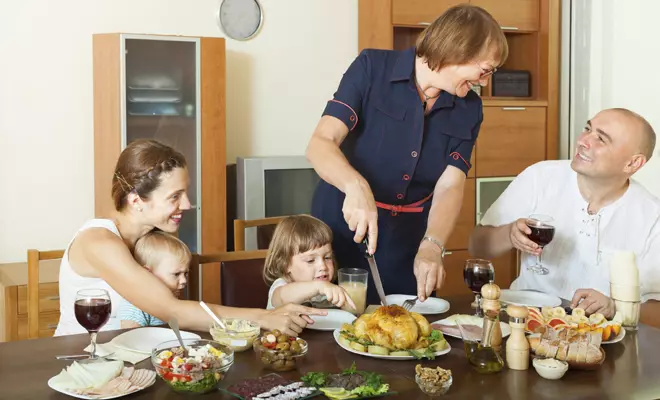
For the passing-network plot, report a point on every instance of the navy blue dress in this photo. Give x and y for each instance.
(401, 153)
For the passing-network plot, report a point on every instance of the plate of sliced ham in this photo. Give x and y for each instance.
(471, 324)
(101, 380)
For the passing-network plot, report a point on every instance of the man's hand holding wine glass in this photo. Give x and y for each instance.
(519, 235)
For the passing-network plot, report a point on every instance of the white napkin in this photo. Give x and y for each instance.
(103, 349)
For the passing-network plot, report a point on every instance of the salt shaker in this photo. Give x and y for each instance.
(517, 346)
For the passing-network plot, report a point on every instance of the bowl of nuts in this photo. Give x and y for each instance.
(433, 381)
(278, 351)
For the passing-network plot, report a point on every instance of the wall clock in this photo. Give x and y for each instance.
(240, 19)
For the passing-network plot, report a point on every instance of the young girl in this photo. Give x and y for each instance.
(168, 258)
(300, 265)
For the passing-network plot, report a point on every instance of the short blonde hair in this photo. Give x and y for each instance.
(460, 35)
(294, 235)
(152, 248)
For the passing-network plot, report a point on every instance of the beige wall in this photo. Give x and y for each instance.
(277, 86)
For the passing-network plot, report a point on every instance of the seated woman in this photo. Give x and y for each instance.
(149, 192)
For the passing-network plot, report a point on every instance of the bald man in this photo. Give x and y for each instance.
(596, 207)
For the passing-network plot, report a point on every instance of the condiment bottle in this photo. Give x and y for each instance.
(485, 358)
(517, 346)
(490, 294)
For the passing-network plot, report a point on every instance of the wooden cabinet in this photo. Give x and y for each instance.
(505, 272)
(172, 89)
(511, 139)
(520, 15)
(16, 311)
(419, 12)
(466, 219)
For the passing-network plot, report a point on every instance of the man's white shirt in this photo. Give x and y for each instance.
(578, 256)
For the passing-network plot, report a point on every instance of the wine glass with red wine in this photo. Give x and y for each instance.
(543, 231)
(92, 308)
(477, 273)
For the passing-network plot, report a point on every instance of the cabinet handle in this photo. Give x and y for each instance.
(448, 253)
(424, 23)
(52, 326)
(513, 108)
(509, 28)
(52, 298)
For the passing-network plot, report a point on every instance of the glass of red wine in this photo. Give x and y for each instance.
(476, 273)
(543, 231)
(92, 308)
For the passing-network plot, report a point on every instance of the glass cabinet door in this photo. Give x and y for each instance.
(161, 102)
(488, 191)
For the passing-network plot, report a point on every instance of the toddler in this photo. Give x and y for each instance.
(300, 266)
(168, 258)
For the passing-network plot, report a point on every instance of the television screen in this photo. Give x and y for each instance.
(289, 191)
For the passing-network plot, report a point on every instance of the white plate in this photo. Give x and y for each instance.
(618, 337)
(506, 329)
(80, 396)
(332, 321)
(335, 334)
(432, 305)
(529, 298)
(143, 340)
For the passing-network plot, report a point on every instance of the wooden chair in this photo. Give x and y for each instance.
(241, 278)
(34, 257)
(265, 234)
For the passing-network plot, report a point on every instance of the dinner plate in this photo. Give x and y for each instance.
(529, 298)
(143, 340)
(470, 320)
(80, 396)
(332, 321)
(618, 337)
(335, 334)
(432, 305)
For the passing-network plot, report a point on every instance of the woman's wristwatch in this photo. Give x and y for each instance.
(435, 242)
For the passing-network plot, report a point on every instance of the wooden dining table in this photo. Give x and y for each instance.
(631, 369)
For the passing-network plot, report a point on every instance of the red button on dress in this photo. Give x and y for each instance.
(399, 196)
(406, 177)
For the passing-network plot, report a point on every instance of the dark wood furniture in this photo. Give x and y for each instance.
(629, 371)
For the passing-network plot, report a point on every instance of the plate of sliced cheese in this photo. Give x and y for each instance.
(101, 380)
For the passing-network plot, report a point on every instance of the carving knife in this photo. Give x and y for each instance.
(374, 272)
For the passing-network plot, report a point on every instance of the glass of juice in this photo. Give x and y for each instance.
(354, 282)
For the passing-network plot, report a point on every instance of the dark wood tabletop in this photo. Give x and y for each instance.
(631, 369)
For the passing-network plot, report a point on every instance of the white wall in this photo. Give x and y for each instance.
(615, 57)
(278, 84)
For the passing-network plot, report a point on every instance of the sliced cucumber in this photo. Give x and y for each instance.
(402, 353)
(439, 345)
(358, 347)
(379, 350)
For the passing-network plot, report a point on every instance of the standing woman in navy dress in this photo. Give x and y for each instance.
(393, 148)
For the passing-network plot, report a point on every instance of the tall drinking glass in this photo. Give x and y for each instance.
(354, 282)
(92, 308)
(476, 273)
(543, 231)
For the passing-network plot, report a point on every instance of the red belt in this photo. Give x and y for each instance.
(406, 208)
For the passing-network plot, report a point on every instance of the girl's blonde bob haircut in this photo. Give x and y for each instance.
(461, 35)
(294, 235)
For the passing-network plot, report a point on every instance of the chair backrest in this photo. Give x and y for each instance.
(241, 277)
(34, 257)
(265, 229)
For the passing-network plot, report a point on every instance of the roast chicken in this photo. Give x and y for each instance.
(394, 328)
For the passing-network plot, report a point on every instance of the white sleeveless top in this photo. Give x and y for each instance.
(71, 282)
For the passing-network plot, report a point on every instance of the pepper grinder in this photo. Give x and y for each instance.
(517, 346)
(490, 304)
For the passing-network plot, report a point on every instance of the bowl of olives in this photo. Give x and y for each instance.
(278, 351)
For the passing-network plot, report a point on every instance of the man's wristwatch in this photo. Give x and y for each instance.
(435, 242)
